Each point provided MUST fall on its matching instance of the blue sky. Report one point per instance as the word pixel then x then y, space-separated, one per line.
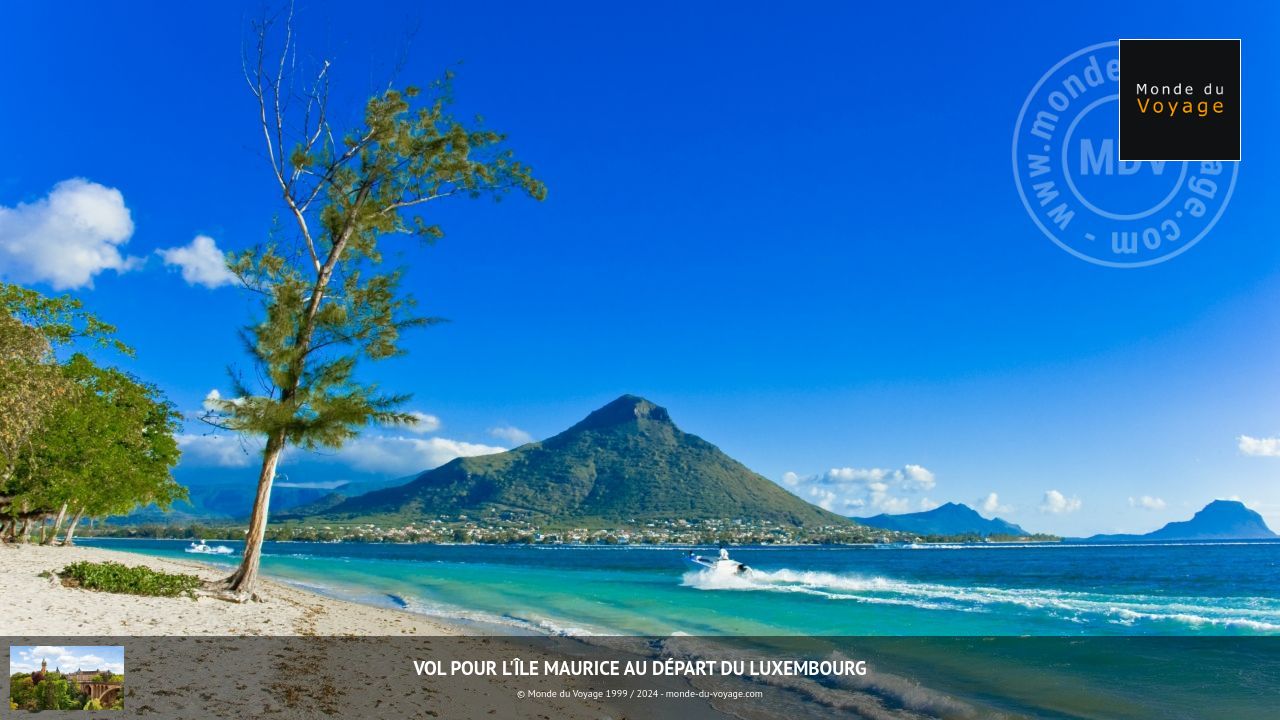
pixel 794 227
pixel 67 658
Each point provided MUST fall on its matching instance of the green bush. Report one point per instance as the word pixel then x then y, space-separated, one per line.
pixel 118 578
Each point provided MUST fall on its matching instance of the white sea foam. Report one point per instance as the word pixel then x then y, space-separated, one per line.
pixel 1248 614
pixel 534 625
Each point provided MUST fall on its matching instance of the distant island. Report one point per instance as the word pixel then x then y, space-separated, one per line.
pixel 1219 520
pixel 949 519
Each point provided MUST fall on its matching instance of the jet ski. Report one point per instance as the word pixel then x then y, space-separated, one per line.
pixel 203 548
pixel 722 564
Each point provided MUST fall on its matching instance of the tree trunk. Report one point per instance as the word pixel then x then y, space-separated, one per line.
pixel 57 526
pixel 245 579
pixel 71 529
pixel 25 536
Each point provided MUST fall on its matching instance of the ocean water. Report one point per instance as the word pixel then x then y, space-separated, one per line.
pixel 1053 632
pixel 1182 589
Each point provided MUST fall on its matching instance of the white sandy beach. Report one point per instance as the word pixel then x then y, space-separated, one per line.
pixel 302 678
pixel 32 605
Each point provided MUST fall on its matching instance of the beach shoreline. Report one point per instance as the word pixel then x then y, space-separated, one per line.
pixel 35 605
pixel 300 629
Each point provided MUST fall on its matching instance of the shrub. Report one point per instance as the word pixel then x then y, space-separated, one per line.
pixel 118 578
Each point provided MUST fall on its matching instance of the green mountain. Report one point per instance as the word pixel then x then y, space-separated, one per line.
pixel 625 463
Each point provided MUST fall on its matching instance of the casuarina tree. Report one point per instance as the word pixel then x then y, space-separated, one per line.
pixel 329 300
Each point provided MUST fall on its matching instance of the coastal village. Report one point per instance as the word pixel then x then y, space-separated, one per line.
pixel 499 530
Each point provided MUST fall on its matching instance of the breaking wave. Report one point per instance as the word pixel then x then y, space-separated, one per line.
pixel 1155 613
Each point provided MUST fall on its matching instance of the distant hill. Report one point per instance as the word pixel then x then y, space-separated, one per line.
pixel 1219 520
pixel 626 462
pixel 949 519
pixel 224 500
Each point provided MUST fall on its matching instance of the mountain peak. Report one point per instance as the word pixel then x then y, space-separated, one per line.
pixel 1219 520
pixel 625 409
pixel 948 519
pixel 624 463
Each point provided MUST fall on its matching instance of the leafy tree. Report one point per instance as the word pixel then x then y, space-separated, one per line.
pixel 61 320
pixel 112 448
pixel 30 388
pixel 74 436
pixel 31 326
pixel 55 693
pixel 328 299
pixel 22 693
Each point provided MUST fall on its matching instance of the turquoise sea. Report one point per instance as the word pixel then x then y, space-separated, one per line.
pixel 1054 632
pixel 1217 588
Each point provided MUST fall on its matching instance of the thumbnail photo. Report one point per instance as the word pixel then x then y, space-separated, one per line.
pixel 85 677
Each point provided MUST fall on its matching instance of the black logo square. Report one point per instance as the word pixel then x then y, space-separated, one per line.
pixel 1179 100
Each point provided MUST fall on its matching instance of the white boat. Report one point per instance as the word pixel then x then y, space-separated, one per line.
pixel 203 548
pixel 718 565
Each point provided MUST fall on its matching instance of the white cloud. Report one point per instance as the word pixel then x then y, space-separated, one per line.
pixel 865 491
pixel 396 455
pixel 919 478
pixel 66 238
pixel 426 423
pixel 1147 502
pixel 1260 447
pixel 214 402
pixel 67 659
pixel 1058 504
pixel 221 450
pixel 392 455
pixel 991 505
pixel 511 434
pixel 201 262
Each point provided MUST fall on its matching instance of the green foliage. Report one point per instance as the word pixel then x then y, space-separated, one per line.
pixel 626 462
pixel 331 301
pixel 105 447
pixel 54 692
pixel 61 320
pixel 30 387
pixel 22 693
pixel 136 580
pixel 75 437
pixel 328 298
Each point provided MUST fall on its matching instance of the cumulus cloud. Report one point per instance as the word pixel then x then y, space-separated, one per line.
pixel 201 262
pixel 991 505
pixel 426 423
pixel 1147 502
pixel 1058 504
pixel 397 455
pixel 214 402
pixel 66 238
pixel 865 491
pixel 68 659
pixel 389 454
pixel 511 434
pixel 222 450
pixel 1259 447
